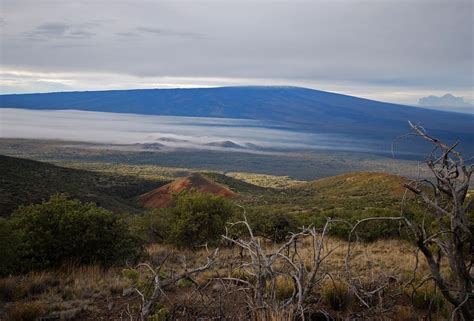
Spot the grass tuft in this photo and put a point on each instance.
(336, 294)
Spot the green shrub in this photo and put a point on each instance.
(61, 230)
(185, 283)
(9, 248)
(152, 227)
(162, 314)
(272, 225)
(278, 226)
(368, 231)
(197, 218)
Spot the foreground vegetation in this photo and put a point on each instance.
(77, 281)
(340, 248)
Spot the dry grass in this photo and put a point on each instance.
(91, 292)
(66, 292)
(28, 311)
(264, 180)
(384, 257)
(336, 294)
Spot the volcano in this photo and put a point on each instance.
(163, 196)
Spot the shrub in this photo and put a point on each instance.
(185, 283)
(162, 314)
(368, 231)
(197, 218)
(278, 226)
(152, 227)
(336, 294)
(61, 230)
(271, 225)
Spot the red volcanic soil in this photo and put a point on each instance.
(163, 196)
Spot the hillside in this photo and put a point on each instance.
(357, 185)
(25, 181)
(163, 196)
(349, 196)
(297, 108)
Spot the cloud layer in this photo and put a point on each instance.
(167, 132)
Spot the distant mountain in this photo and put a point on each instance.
(297, 108)
(225, 144)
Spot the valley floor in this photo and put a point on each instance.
(299, 165)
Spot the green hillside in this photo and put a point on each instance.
(360, 184)
(25, 181)
(350, 196)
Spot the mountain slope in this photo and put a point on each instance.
(296, 108)
(358, 184)
(24, 181)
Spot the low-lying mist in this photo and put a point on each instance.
(169, 132)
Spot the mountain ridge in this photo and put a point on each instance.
(261, 87)
(298, 108)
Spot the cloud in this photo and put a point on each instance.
(169, 32)
(60, 30)
(447, 100)
(51, 30)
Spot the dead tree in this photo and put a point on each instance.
(266, 265)
(453, 239)
(160, 284)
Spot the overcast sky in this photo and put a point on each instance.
(398, 51)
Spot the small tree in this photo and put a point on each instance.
(61, 230)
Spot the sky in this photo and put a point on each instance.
(409, 52)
